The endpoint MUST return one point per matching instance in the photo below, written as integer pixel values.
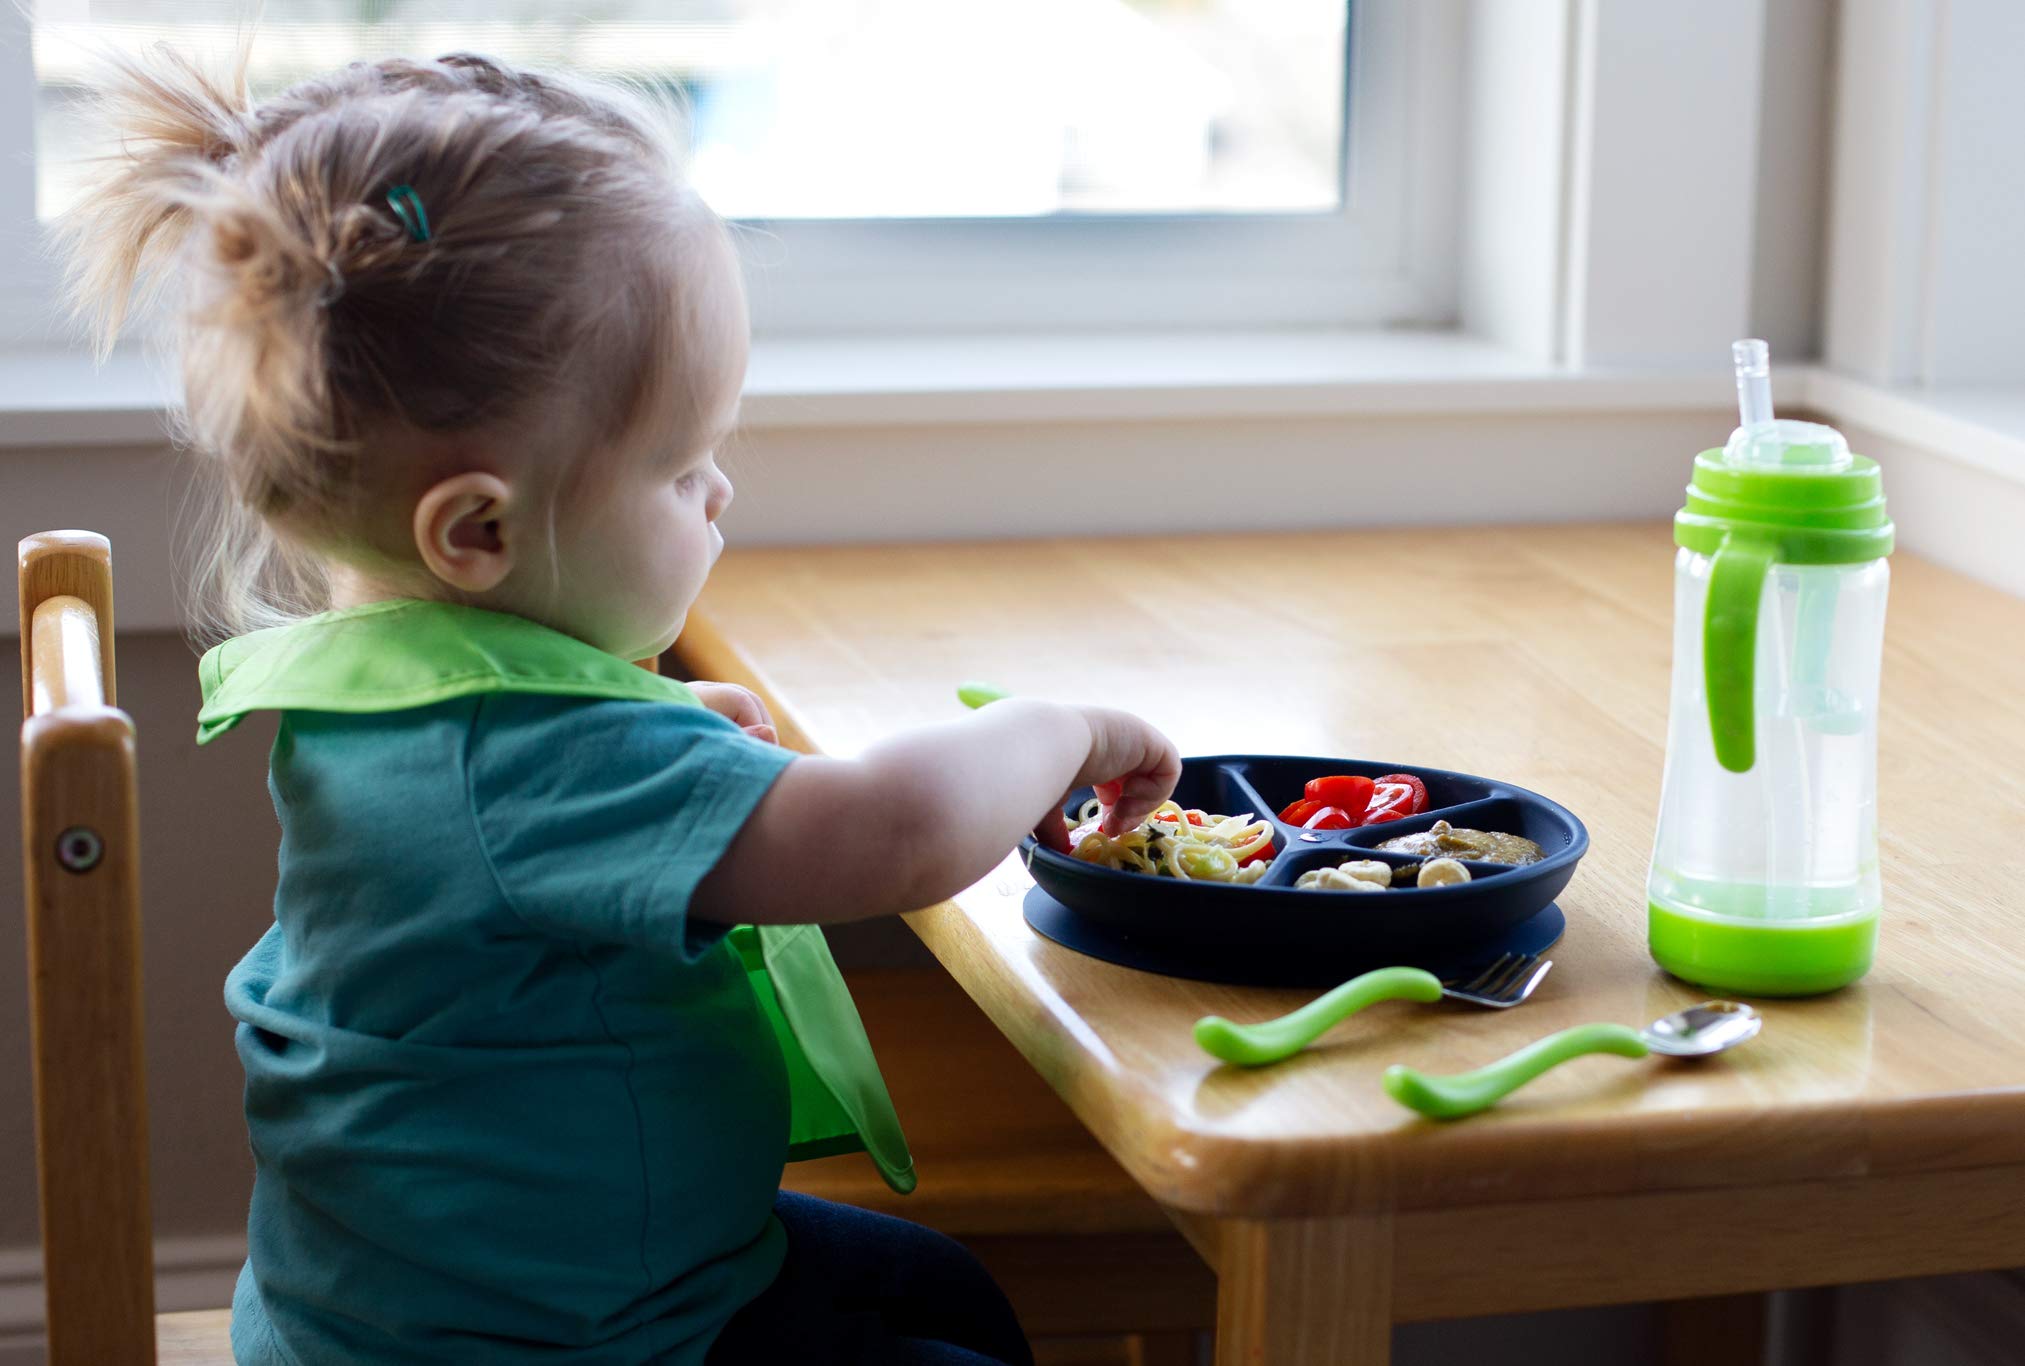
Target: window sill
(1377, 429)
(1160, 376)
(1981, 428)
(59, 398)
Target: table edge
(1208, 1173)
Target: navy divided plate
(1240, 964)
(1191, 926)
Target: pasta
(1369, 875)
(1358, 875)
(1191, 845)
(1441, 872)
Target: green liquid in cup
(1765, 957)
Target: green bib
(390, 656)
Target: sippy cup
(1764, 868)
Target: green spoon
(975, 694)
(1506, 982)
(1255, 1045)
(1696, 1032)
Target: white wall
(1795, 107)
(1662, 171)
(1925, 285)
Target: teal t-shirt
(506, 1103)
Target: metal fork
(1500, 986)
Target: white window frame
(1616, 236)
(1386, 256)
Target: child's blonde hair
(547, 301)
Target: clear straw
(1754, 380)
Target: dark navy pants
(864, 1289)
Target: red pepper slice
(1396, 795)
(1259, 857)
(1330, 818)
(1294, 813)
(1346, 790)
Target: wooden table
(1876, 1133)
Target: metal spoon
(1696, 1032)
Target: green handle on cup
(1730, 646)
(1468, 1093)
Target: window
(857, 108)
(957, 164)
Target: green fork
(1500, 986)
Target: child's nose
(720, 497)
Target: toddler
(461, 346)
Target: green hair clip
(407, 206)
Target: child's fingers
(739, 705)
(1108, 795)
(1133, 766)
(1139, 794)
(762, 731)
(1052, 830)
(745, 707)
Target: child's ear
(462, 531)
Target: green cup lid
(1793, 485)
(1780, 492)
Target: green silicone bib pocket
(817, 1124)
(838, 1098)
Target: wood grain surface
(67, 563)
(81, 870)
(1536, 655)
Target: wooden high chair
(1098, 1276)
(80, 860)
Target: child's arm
(925, 814)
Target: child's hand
(1133, 767)
(739, 705)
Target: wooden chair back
(80, 861)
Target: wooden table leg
(1725, 1328)
(1164, 1349)
(1304, 1292)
